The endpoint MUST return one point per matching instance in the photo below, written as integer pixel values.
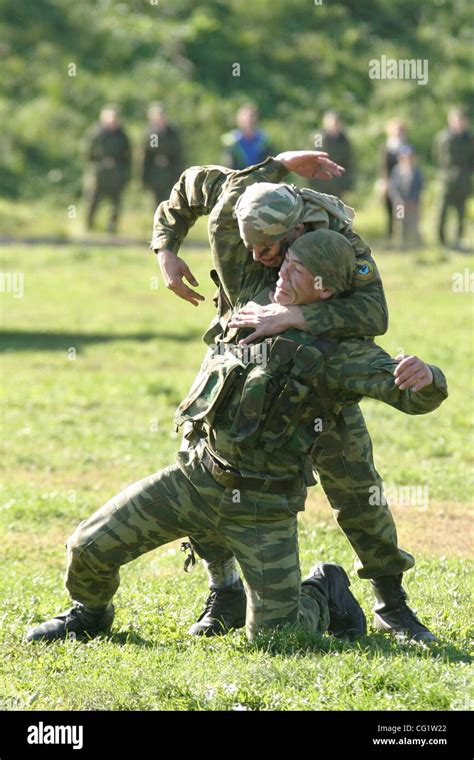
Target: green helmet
(329, 255)
(267, 212)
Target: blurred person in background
(396, 139)
(110, 154)
(162, 154)
(333, 140)
(405, 186)
(247, 145)
(454, 154)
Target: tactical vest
(275, 397)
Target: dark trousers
(458, 203)
(389, 208)
(115, 196)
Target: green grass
(80, 424)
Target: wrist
(164, 253)
(295, 318)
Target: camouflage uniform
(162, 160)
(455, 155)
(340, 149)
(242, 483)
(344, 461)
(111, 155)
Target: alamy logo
(42, 734)
(403, 68)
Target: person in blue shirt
(247, 145)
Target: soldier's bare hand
(174, 270)
(312, 164)
(271, 319)
(412, 372)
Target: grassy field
(97, 353)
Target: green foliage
(295, 62)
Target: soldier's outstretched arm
(194, 195)
(368, 370)
(199, 189)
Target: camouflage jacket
(111, 154)
(261, 408)
(162, 157)
(213, 191)
(455, 156)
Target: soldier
(247, 145)
(162, 159)
(454, 153)
(243, 482)
(266, 226)
(110, 153)
(334, 141)
(396, 139)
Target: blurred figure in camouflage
(334, 141)
(256, 418)
(162, 155)
(344, 463)
(247, 145)
(396, 140)
(405, 186)
(454, 154)
(111, 156)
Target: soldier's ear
(325, 293)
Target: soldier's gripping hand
(264, 321)
(173, 270)
(312, 164)
(412, 372)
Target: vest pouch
(209, 389)
(256, 397)
(284, 414)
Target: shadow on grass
(376, 645)
(130, 637)
(25, 340)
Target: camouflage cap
(327, 255)
(267, 212)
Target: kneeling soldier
(243, 481)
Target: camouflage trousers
(258, 528)
(345, 465)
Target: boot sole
(221, 632)
(67, 634)
(382, 627)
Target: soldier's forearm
(346, 317)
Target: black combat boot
(347, 619)
(76, 622)
(225, 609)
(392, 613)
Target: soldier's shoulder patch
(364, 271)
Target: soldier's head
(332, 123)
(270, 219)
(109, 117)
(318, 265)
(457, 120)
(157, 114)
(247, 119)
